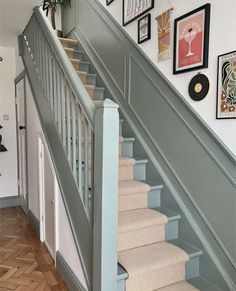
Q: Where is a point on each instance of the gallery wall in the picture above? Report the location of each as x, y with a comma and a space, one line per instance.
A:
8, 160
221, 41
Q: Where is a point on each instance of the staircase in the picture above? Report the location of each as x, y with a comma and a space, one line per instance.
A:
151, 254
151, 262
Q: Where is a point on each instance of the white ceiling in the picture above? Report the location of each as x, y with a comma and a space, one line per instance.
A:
14, 15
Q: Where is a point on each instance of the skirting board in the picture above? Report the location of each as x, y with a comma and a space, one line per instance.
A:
11, 201
34, 222
67, 274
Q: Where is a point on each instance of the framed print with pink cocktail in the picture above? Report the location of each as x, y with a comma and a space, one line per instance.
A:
191, 40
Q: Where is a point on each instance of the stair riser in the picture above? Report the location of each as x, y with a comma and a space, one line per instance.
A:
127, 149
130, 202
154, 198
141, 237
78, 55
156, 279
192, 268
126, 173
140, 171
70, 54
172, 230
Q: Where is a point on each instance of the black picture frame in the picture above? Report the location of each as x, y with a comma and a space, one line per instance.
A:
126, 20
203, 63
108, 2
148, 28
224, 76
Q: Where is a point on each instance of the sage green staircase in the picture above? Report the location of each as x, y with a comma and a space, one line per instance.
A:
114, 188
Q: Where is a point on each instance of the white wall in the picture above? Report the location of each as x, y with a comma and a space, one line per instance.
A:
222, 40
8, 160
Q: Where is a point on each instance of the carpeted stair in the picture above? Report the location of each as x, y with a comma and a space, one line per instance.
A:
151, 262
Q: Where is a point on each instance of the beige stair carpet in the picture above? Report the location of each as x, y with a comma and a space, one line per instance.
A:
152, 264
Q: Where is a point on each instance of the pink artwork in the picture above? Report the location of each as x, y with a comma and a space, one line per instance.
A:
191, 40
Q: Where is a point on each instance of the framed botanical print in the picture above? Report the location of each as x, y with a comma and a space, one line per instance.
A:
191, 40
226, 86
135, 8
144, 28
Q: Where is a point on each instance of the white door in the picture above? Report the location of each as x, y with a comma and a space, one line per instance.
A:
21, 141
47, 200
49, 205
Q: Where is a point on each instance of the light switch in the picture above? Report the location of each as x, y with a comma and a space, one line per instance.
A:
6, 117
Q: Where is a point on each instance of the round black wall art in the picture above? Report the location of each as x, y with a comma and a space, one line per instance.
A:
198, 87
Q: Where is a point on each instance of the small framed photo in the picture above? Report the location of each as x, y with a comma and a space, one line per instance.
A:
109, 2
191, 40
226, 86
132, 9
144, 28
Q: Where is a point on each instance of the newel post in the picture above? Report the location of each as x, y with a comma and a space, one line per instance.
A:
106, 160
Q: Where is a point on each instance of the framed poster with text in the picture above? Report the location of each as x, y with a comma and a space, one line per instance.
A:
191, 40
226, 86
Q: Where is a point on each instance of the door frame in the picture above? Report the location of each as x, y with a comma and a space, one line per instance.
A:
42, 152
22, 77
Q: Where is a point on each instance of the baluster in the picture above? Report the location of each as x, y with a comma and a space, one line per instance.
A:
59, 78
40, 52
54, 83
43, 41
86, 162
51, 79
47, 75
74, 139
63, 109
79, 149
68, 118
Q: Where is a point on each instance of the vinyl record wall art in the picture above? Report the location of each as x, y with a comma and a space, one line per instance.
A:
198, 87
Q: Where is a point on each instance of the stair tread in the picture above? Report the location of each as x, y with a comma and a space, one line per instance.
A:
124, 161
152, 257
68, 40
139, 219
171, 215
188, 248
132, 187
180, 286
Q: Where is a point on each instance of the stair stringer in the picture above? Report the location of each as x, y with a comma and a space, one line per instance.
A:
215, 257
77, 217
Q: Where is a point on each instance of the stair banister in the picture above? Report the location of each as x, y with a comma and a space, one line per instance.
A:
72, 78
83, 143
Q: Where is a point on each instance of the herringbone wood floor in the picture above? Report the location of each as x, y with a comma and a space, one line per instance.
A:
25, 263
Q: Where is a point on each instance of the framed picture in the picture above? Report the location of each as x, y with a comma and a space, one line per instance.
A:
226, 86
191, 40
144, 28
109, 1
135, 8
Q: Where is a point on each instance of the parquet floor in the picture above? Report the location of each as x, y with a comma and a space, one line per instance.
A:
25, 263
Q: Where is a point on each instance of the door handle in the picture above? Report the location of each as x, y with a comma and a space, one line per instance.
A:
22, 127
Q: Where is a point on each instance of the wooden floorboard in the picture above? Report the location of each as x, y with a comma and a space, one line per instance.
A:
25, 263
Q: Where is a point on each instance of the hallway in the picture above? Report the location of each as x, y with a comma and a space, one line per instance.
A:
25, 263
